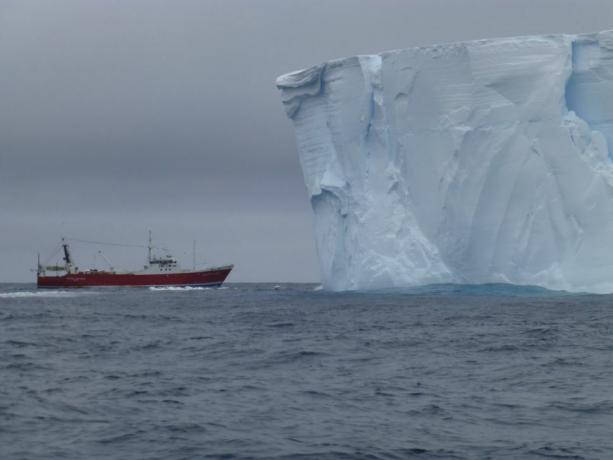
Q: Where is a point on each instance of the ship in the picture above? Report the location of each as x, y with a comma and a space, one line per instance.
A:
159, 271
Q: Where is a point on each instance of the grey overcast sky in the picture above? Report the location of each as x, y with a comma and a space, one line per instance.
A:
118, 116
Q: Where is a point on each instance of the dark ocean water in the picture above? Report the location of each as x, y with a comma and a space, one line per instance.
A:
248, 371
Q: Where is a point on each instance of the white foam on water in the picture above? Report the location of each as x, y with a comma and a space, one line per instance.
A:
178, 288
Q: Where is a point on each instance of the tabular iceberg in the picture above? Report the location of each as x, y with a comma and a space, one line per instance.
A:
474, 162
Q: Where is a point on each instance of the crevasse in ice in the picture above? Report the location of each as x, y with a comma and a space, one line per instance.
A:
474, 162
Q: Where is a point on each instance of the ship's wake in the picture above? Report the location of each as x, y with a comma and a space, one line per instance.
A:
40, 294
179, 288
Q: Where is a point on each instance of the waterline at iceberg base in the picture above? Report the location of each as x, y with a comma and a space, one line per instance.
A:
475, 162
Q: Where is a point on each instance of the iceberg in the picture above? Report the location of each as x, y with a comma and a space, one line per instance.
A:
476, 162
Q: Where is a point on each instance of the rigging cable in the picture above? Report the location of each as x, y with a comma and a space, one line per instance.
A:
106, 243
56, 250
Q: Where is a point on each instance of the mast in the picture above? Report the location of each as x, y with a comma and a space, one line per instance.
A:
67, 256
149, 247
194, 254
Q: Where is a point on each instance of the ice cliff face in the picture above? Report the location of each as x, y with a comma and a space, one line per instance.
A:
476, 162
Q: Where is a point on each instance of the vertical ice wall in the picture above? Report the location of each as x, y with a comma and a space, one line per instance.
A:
474, 162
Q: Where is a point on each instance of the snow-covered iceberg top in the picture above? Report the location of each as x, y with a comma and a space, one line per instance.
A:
474, 162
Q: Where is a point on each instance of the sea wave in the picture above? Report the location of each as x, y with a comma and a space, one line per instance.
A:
385, 375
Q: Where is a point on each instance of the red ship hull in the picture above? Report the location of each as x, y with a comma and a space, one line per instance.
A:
212, 277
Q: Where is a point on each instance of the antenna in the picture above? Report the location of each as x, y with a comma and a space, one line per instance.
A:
149, 247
